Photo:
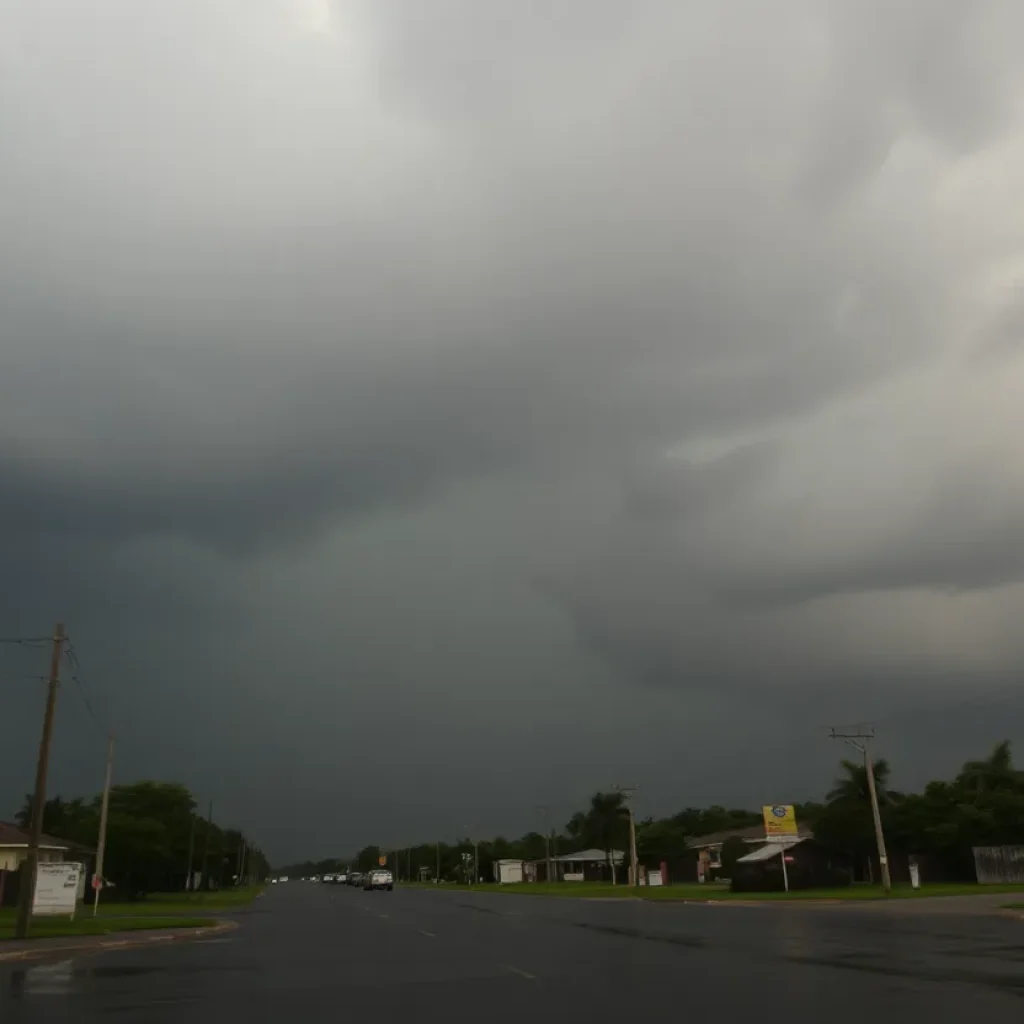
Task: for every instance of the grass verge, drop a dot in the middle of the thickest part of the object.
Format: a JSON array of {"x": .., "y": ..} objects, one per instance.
[
  {"x": 52, "y": 927},
  {"x": 169, "y": 903},
  {"x": 712, "y": 892},
  {"x": 159, "y": 910}
]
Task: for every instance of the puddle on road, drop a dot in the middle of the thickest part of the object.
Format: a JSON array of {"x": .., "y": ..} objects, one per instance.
[
  {"x": 693, "y": 942},
  {"x": 63, "y": 979}
]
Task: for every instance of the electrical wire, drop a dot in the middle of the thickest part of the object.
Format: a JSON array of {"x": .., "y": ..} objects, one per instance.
[{"x": 76, "y": 677}]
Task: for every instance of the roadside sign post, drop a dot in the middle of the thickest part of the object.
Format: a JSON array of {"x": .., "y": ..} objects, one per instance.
[
  {"x": 56, "y": 889},
  {"x": 780, "y": 827}
]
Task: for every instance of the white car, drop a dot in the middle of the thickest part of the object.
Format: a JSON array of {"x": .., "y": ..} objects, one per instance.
[{"x": 379, "y": 879}]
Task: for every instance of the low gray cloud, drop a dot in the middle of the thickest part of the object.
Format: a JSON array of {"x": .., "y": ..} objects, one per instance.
[{"x": 395, "y": 392}]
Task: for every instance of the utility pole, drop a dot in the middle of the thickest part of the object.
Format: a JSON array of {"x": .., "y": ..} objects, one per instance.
[
  {"x": 28, "y": 878},
  {"x": 102, "y": 845},
  {"x": 191, "y": 852},
  {"x": 860, "y": 739},
  {"x": 634, "y": 867},
  {"x": 437, "y": 870},
  {"x": 543, "y": 808},
  {"x": 206, "y": 845}
]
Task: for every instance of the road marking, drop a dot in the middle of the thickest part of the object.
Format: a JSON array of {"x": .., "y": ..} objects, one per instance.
[
  {"x": 519, "y": 971},
  {"x": 429, "y": 935},
  {"x": 383, "y": 917}
]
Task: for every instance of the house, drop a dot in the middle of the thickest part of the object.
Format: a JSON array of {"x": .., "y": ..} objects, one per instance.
[
  {"x": 14, "y": 842},
  {"x": 583, "y": 866},
  {"x": 709, "y": 847}
]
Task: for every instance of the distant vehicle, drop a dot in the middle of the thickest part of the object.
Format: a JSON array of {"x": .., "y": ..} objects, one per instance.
[
  {"x": 379, "y": 879},
  {"x": 283, "y": 878},
  {"x": 328, "y": 878},
  {"x": 355, "y": 878},
  {"x": 342, "y": 878},
  {"x": 315, "y": 878}
]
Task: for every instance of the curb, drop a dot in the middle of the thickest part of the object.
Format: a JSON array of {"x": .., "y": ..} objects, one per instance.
[{"x": 172, "y": 935}]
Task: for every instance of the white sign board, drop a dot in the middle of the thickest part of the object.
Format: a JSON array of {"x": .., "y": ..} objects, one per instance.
[{"x": 56, "y": 889}]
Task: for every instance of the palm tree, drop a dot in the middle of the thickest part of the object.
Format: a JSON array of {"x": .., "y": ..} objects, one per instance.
[
  {"x": 853, "y": 784},
  {"x": 605, "y": 823},
  {"x": 995, "y": 772}
]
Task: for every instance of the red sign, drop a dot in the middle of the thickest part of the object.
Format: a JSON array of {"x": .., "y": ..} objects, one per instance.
[{"x": 97, "y": 882}]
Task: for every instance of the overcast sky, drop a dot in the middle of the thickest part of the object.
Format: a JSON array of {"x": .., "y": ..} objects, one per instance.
[{"x": 419, "y": 412}]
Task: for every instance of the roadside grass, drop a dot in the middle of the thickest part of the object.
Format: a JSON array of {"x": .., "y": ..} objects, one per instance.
[
  {"x": 712, "y": 892},
  {"x": 55, "y": 927},
  {"x": 158, "y": 910},
  {"x": 168, "y": 903}
]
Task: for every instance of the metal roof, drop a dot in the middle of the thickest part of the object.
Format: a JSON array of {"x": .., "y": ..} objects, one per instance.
[
  {"x": 589, "y": 856},
  {"x": 750, "y": 834},
  {"x": 769, "y": 851}
]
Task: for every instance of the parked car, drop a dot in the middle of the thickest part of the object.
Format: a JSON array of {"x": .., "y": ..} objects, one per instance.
[
  {"x": 341, "y": 879},
  {"x": 379, "y": 879},
  {"x": 355, "y": 878}
]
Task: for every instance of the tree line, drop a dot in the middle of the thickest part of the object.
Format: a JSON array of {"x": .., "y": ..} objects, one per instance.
[
  {"x": 151, "y": 827},
  {"x": 983, "y": 805}
]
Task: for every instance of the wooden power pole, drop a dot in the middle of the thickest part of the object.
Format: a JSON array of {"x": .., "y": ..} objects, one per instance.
[
  {"x": 860, "y": 739},
  {"x": 97, "y": 882},
  {"x": 28, "y": 876}
]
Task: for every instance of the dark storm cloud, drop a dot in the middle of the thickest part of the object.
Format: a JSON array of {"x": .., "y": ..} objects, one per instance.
[{"x": 476, "y": 351}]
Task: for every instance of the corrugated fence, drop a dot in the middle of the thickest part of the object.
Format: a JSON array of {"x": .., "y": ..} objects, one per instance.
[{"x": 999, "y": 864}]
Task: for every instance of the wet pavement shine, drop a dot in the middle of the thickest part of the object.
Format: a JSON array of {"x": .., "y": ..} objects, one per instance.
[{"x": 308, "y": 953}]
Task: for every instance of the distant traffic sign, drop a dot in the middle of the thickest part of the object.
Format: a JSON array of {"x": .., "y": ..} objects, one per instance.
[
  {"x": 97, "y": 882},
  {"x": 382, "y": 861}
]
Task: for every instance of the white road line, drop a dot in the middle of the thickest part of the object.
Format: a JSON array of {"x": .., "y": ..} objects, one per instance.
[
  {"x": 383, "y": 917},
  {"x": 517, "y": 970},
  {"x": 429, "y": 935}
]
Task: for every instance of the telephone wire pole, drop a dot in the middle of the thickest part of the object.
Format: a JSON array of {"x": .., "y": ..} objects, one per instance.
[
  {"x": 28, "y": 878},
  {"x": 634, "y": 868},
  {"x": 101, "y": 847},
  {"x": 860, "y": 739}
]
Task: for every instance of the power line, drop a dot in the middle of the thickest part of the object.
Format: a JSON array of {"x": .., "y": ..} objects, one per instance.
[
  {"x": 76, "y": 676},
  {"x": 26, "y": 641}
]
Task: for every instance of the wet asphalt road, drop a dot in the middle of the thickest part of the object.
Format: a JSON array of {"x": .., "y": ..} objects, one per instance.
[{"x": 310, "y": 953}]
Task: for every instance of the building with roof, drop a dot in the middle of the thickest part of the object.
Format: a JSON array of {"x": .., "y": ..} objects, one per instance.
[
  {"x": 807, "y": 865},
  {"x": 582, "y": 866},
  {"x": 709, "y": 847},
  {"x": 14, "y": 842}
]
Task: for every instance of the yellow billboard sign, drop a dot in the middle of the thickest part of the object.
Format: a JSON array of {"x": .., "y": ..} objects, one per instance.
[{"x": 780, "y": 821}]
